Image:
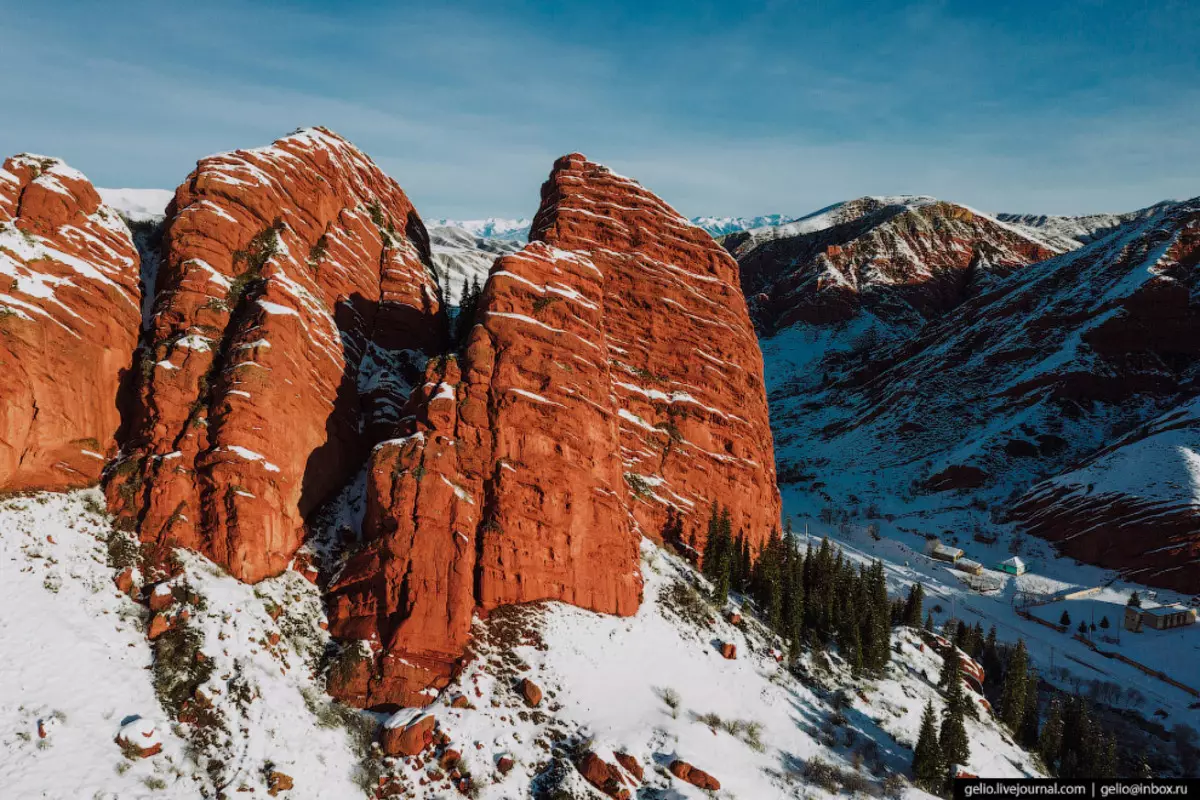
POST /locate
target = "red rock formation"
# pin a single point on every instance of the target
(630, 764)
(611, 382)
(697, 777)
(407, 735)
(287, 272)
(604, 776)
(530, 692)
(69, 318)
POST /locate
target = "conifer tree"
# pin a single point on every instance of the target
(913, 606)
(1065, 619)
(928, 767)
(1012, 703)
(1028, 736)
(929, 622)
(956, 747)
(1050, 739)
(951, 667)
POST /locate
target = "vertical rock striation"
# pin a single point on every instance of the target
(611, 374)
(294, 279)
(68, 322)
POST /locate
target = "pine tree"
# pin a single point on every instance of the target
(1050, 740)
(1012, 703)
(929, 622)
(951, 667)
(1028, 736)
(1135, 600)
(1104, 622)
(913, 606)
(928, 767)
(1065, 619)
(956, 747)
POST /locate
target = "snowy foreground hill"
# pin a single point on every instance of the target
(79, 674)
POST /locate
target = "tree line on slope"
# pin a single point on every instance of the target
(808, 596)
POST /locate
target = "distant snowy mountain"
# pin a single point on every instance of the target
(518, 229)
(1072, 232)
(490, 228)
(720, 226)
(138, 205)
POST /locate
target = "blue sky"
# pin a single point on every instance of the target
(720, 107)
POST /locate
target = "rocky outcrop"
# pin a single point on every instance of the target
(294, 304)
(697, 777)
(908, 258)
(69, 320)
(611, 383)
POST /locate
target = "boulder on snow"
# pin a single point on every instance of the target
(696, 777)
(139, 738)
(604, 776)
(631, 765)
(278, 782)
(161, 598)
(530, 691)
(505, 765)
(729, 650)
(407, 732)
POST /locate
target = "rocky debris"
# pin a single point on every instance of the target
(604, 392)
(69, 319)
(291, 276)
(604, 776)
(505, 764)
(734, 618)
(161, 598)
(162, 622)
(631, 765)
(126, 581)
(139, 738)
(407, 733)
(729, 650)
(697, 777)
(530, 692)
(278, 782)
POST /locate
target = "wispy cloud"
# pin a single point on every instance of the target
(720, 108)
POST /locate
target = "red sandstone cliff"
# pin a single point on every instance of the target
(68, 323)
(287, 273)
(612, 374)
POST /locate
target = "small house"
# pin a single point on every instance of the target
(1013, 566)
(944, 552)
(967, 565)
(1160, 618)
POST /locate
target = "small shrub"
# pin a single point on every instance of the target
(672, 700)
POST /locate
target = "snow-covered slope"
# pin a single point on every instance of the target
(947, 421)
(75, 661)
(240, 668)
(656, 687)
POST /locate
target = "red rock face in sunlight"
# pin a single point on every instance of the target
(292, 276)
(69, 320)
(612, 375)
